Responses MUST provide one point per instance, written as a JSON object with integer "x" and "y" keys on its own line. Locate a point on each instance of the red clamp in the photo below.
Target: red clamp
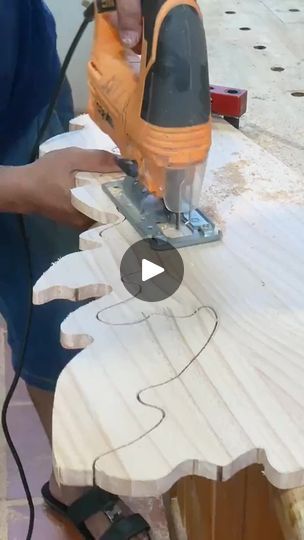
{"x": 231, "y": 103}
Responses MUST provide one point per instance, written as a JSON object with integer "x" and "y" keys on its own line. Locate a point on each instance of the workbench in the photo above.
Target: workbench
{"x": 221, "y": 362}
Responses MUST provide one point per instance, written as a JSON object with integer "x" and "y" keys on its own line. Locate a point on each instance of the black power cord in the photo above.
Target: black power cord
{"x": 88, "y": 17}
{"x": 14, "y": 383}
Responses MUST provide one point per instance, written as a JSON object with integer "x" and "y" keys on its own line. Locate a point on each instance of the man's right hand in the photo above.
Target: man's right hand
{"x": 44, "y": 187}
{"x": 53, "y": 176}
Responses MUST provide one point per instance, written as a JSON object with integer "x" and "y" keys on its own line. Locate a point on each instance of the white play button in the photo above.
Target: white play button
{"x": 149, "y": 270}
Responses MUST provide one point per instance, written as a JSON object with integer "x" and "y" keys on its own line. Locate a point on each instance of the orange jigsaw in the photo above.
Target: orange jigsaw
{"x": 156, "y": 107}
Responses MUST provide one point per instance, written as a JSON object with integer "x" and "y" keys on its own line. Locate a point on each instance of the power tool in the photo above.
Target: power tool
{"x": 156, "y": 108}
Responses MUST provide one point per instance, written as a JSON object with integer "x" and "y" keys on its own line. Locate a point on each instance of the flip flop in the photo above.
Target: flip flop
{"x": 93, "y": 501}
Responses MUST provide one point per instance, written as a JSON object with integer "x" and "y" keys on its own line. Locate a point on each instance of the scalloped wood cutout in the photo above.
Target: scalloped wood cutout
{"x": 208, "y": 381}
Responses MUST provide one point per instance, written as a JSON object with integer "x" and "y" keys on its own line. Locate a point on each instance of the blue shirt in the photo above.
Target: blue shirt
{"x": 29, "y": 65}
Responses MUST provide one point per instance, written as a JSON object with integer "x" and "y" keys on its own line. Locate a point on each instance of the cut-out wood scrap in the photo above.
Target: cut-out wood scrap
{"x": 209, "y": 380}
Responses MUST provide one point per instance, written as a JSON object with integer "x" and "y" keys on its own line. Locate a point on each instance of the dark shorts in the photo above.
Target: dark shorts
{"x": 44, "y": 358}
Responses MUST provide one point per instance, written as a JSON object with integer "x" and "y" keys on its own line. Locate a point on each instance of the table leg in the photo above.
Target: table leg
{"x": 238, "y": 509}
{"x": 289, "y": 505}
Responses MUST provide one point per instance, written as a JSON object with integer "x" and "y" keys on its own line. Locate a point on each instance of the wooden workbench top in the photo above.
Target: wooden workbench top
{"x": 208, "y": 381}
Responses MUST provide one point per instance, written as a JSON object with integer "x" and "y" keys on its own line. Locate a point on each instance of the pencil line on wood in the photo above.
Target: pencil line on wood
{"x": 163, "y": 383}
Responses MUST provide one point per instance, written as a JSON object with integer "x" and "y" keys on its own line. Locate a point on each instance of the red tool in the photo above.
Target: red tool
{"x": 231, "y": 103}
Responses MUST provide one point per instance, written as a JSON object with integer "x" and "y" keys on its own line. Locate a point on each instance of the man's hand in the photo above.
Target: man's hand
{"x": 44, "y": 186}
{"x": 53, "y": 176}
{"x": 129, "y": 21}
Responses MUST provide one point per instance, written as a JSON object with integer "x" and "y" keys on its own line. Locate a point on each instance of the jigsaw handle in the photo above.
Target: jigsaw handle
{"x": 176, "y": 91}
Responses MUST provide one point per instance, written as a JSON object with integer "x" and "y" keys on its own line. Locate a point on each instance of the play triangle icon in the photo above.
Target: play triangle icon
{"x": 149, "y": 270}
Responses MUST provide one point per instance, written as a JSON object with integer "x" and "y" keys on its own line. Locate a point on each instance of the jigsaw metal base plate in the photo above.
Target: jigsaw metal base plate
{"x": 150, "y": 218}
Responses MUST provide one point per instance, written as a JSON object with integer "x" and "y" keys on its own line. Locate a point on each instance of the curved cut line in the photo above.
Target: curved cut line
{"x": 145, "y": 317}
{"x": 125, "y": 301}
{"x": 99, "y": 318}
{"x": 111, "y": 225}
{"x": 186, "y": 367}
{"x": 163, "y": 383}
{"x": 109, "y": 323}
{"x": 97, "y": 241}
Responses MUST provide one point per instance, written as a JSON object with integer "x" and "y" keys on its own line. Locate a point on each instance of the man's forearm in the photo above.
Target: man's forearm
{"x": 12, "y": 189}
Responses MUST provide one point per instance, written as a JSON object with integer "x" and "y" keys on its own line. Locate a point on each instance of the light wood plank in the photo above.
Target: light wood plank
{"x": 239, "y": 509}
{"x": 244, "y": 392}
{"x": 260, "y": 520}
{"x": 288, "y": 11}
{"x": 274, "y": 118}
{"x": 289, "y": 506}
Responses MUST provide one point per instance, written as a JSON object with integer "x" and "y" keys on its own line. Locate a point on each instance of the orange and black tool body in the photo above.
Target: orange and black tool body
{"x": 156, "y": 107}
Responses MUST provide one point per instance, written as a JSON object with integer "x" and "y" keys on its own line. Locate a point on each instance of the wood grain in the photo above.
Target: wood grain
{"x": 239, "y": 509}
{"x": 287, "y": 12}
{"x": 260, "y": 519}
{"x": 241, "y": 387}
{"x": 289, "y": 506}
{"x": 274, "y": 118}
{"x": 275, "y": 121}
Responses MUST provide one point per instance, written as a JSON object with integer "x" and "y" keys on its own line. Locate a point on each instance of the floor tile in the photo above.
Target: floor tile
{"x": 3, "y": 521}
{"x": 47, "y": 525}
{"x": 20, "y": 395}
{"x": 33, "y": 448}
{"x": 3, "y": 339}
{"x": 2, "y": 439}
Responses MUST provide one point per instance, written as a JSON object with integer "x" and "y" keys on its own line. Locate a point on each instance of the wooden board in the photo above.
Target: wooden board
{"x": 274, "y": 118}
{"x": 289, "y": 506}
{"x": 239, "y": 509}
{"x": 288, "y": 11}
{"x": 209, "y": 381}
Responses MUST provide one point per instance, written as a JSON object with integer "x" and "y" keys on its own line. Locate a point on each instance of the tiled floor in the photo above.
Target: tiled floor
{"x": 32, "y": 444}
{"x": 35, "y": 454}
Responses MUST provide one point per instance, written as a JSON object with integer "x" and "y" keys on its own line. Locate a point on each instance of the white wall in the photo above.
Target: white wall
{"x": 68, "y": 15}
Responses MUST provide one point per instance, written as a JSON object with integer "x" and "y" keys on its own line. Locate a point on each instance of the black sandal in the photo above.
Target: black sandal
{"x": 98, "y": 500}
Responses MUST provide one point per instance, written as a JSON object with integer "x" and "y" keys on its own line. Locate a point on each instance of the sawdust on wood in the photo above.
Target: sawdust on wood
{"x": 235, "y": 179}
{"x": 231, "y": 181}
{"x": 211, "y": 212}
